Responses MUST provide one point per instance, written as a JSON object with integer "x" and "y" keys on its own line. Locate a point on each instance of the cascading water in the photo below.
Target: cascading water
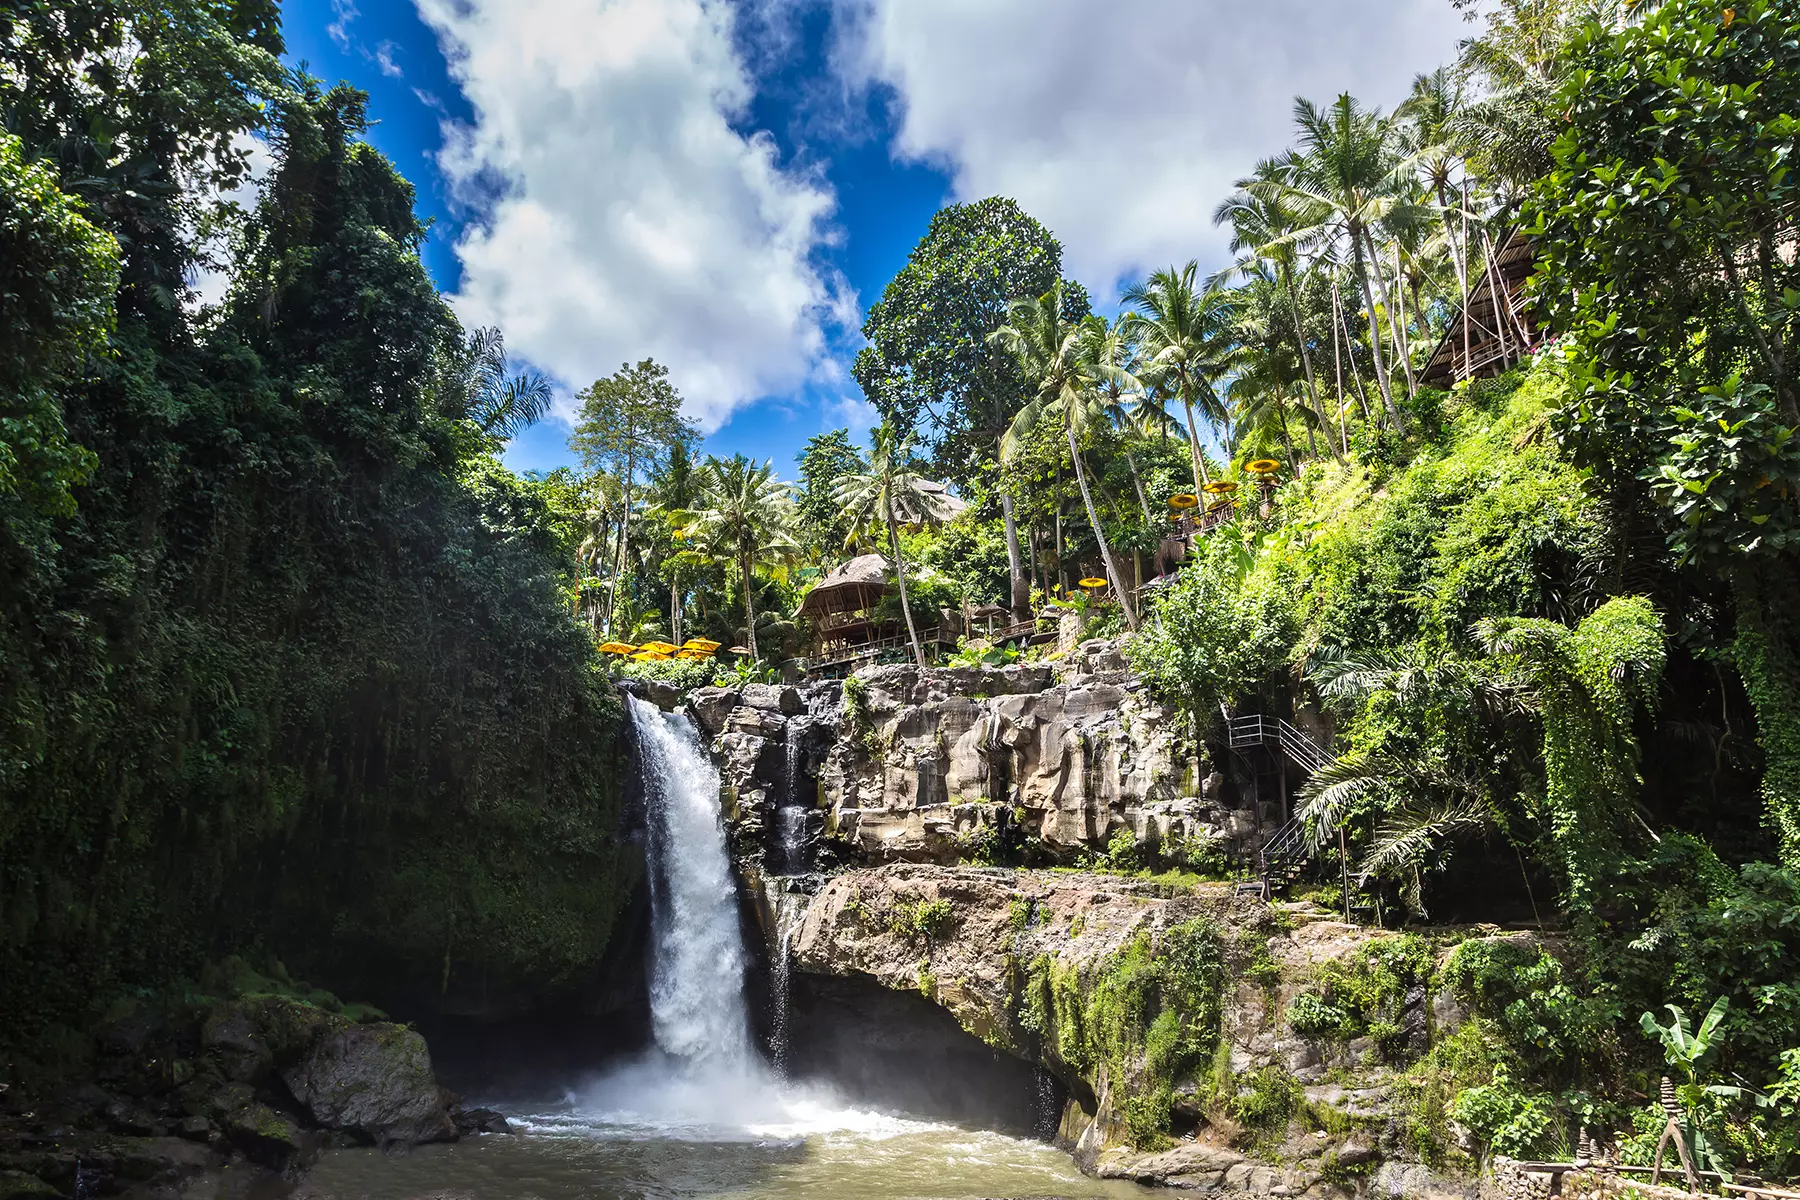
{"x": 697, "y": 974}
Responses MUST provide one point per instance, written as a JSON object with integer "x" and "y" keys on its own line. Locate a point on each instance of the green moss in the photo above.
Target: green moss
{"x": 928, "y": 920}
{"x": 1361, "y": 995}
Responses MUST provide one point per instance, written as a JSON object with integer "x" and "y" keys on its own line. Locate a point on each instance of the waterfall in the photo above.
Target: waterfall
{"x": 697, "y": 1002}
{"x": 780, "y": 1004}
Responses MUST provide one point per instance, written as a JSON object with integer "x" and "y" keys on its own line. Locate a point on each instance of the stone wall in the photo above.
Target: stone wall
{"x": 899, "y": 764}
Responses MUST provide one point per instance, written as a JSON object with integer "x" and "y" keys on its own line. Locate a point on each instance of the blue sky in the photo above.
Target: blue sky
{"x": 725, "y": 185}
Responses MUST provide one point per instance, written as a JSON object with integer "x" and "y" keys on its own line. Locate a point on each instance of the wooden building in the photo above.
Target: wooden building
{"x": 1495, "y": 329}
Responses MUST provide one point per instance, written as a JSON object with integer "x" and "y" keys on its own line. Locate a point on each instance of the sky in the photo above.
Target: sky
{"x": 727, "y": 185}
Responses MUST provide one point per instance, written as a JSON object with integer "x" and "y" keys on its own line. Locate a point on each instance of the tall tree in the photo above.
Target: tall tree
{"x": 1346, "y": 179}
{"x": 889, "y": 491}
{"x": 1065, "y": 398}
{"x": 745, "y": 517}
{"x": 1661, "y": 234}
{"x": 1184, "y": 331}
{"x": 628, "y": 422}
{"x": 825, "y": 461}
{"x": 1262, "y": 224}
{"x": 929, "y": 368}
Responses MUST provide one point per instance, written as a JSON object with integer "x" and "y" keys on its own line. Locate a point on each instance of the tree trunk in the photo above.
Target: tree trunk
{"x": 912, "y": 632}
{"x": 749, "y": 610}
{"x": 1015, "y": 564}
{"x": 1138, "y": 484}
{"x": 1112, "y": 571}
{"x": 1201, "y": 479}
{"x": 1312, "y": 385}
{"x": 612, "y": 603}
{"x": 1381, "y": 375}
{"x": 1395, "y": 313}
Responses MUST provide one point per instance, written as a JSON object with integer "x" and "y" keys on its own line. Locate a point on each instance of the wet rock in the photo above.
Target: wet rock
{"x": 471, "y": 1121}
{"x": 124, "y": 1117}
{"x": 17, "y": 1185}
{"x": 775, "y": 698}
{"x": 1196, "y": 1166}
{"x": 375, "y": 1081}
{"x": 196, "y": 1129}
{"x": 710, "y": 706}
{"x": 270, "y": 1138}
{"x": 231, "y": 1035}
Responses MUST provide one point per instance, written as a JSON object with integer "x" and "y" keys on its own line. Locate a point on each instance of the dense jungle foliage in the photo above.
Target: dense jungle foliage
{"x": 291, "y": 665}
{"x": 286, "y": 663}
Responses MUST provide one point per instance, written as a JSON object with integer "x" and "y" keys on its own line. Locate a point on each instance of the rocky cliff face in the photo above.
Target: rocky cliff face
{"x": 1164, "y": 1013}
{"x": 898, "y": 764}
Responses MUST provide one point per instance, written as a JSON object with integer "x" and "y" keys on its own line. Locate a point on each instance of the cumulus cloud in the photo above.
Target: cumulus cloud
{"x": 617, "y": 212}
{"x": 1121, "y": 123}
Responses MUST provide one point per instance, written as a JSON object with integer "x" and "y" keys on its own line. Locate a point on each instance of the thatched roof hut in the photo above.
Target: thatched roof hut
{"x": 856, "y": 585}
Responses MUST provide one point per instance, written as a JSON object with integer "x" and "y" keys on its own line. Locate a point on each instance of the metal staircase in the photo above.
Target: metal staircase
{"x": 1283, "y": 854}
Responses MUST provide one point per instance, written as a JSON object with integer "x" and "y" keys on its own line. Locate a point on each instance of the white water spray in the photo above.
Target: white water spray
{"x": 697, "y": 976}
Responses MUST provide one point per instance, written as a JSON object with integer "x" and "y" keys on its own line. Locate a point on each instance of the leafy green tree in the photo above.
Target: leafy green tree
{"x": 929, "y": 362}
{"x": 744, "y": 516}
{"x": 1048, "y": 350}
{"x": 882, "y": 496}
{"x": 627, "y": 423}
{"x": 1660, "y": 231}
{"x": 148, "y": 138}
{"x": 58, "y": 275}
{"x": 825, "y": 461}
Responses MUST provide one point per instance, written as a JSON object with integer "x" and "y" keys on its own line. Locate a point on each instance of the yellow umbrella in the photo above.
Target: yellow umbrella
{"x": 662, "y": 647}
{"x": 617, "y": 648}
{"x": 1091, "y": 583}
{"x": 1183, "y": 500}
{"x": 705, "y": 645}
{"x": 1220, "y": 487}
{"x": 1262, "y": 466}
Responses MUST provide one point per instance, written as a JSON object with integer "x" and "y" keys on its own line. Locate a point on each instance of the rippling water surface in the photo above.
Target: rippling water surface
{"x": 606, "y": 1144}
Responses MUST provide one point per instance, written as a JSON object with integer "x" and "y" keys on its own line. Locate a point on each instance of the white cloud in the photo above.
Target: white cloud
{"x": 384, "y": 59}
{"x": 1121, "y": 123}
{"x": 619, "y": 214}
{"x": 345, "y": 12}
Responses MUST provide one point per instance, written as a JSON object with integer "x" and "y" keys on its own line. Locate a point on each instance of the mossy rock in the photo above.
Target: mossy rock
{"x": 17, "y": 1185}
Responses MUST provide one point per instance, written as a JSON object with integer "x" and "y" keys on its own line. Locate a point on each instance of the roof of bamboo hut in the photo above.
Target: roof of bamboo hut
{"x": 856, "y": 585}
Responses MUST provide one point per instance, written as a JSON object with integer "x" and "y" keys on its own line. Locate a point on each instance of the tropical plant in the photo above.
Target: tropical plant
{"x": 882, "y": 497}
{"x": 1184, "y": 331}
{"x": 744, "y": 516}
{"x": 1047, "y": 348}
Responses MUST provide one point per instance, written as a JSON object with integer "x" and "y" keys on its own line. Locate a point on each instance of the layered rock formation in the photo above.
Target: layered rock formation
{"x": 1074, "y": 973}
{"x": 898, "y": 764}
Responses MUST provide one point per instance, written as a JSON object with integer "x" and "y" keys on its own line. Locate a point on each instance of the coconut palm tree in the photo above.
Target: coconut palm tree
{"x": 1262, "y": 223}
{"x": 1345, "y": 181}
{"x": 1067, "y": 399}
{"x": 880, "y": 498}
{"x": 1183, "y": 329}
{"x": 1109, "y": 357}
{"x": 468, "y": 381}
{"x": 744, "y": 516}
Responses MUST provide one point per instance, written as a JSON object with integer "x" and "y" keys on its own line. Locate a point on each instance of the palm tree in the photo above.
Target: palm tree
{"x": 1182, "y": 329}
{"x": 469, "y": 382}
{"x": 1048, "y": 352}
{"x": 744, "y": 516}
{"x": 1262, "y": 223}
{"x": 879, "y": 498}
{"x": 1345, "y": 181}
{"x": 1108, "y": 355}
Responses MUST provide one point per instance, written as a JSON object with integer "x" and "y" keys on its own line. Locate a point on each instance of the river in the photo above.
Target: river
{"x": 701, "y": 1114}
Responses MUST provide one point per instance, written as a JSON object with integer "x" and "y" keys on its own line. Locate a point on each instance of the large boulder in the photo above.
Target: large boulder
{"x": 375, "y": 1082}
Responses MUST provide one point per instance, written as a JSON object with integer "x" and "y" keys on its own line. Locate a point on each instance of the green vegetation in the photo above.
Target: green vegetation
{"x": 288, "y": 660}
